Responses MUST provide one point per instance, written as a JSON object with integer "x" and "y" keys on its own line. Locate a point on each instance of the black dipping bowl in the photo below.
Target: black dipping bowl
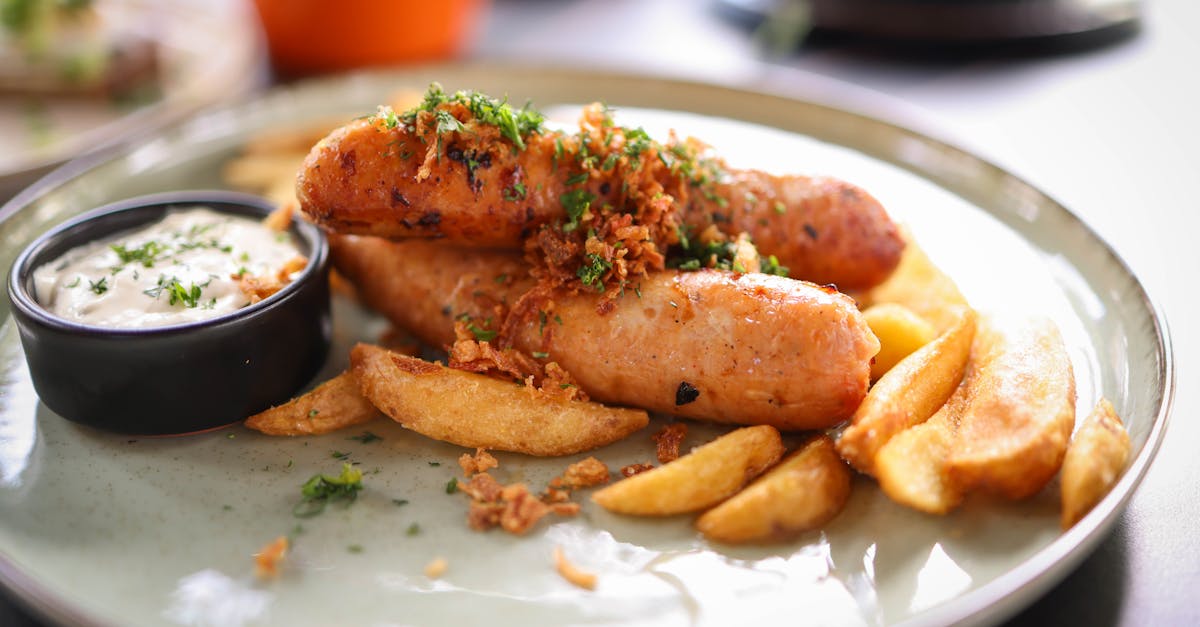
{"x": 180, "y": 378}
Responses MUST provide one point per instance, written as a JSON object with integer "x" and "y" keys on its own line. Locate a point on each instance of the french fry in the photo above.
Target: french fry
{"x": 900, "y": 331}
{"x": 1094, "y": 460}
{"x": 911, "y": 466}
{"x": 909, "y": 393}
{"x": 333, "y": 405}
{"x": 805, "y": 491}
{"x": 476, "y": 411}
{"x": 920, "y": 286}
{"x": 1013, "y": 434}
{"x": 260, "y": 171}
{"x": 698, "y": 480}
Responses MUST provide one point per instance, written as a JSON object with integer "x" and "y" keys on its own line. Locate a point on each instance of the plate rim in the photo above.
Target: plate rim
{"x": 989, "y": 603}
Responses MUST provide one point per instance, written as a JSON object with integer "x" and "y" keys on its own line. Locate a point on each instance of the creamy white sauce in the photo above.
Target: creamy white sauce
{"x": 177, "y": 270}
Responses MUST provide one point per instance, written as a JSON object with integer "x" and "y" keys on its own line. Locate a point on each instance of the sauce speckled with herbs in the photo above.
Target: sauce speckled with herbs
{"x": 192, "y": 265}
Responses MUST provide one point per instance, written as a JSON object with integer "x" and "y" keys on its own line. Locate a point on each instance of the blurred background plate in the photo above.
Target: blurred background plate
{"x": 103, "y": 529}
{"x": 204, "y": 52}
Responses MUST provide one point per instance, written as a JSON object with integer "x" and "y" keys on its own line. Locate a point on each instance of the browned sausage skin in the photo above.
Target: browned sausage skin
{"x": 362, "y": 179}
{"x": 422, "y": 286}
{"x": 745, "y": 349}
{"x": 825, "y": 230}
{"x": 476, "y": 188}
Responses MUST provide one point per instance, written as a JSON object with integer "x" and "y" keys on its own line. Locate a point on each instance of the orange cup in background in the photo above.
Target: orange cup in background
{"x": 316, "y": 36}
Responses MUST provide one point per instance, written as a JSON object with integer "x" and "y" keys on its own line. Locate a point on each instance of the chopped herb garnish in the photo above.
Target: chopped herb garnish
{"x": 322, "y": 489}
{"x": 179, "y": 295}
{"x": 366, "y": 438}
{"x": 447, "y": 123}
{"x": 576, "y": 203}
{"x": 355, "y": 548}
{"x": 500, "y": 279}
{"x": 176, "y": 292}
{"x": 75, "y": 283}
{"x": 146, "y": 254}
{"x": 388, "y": 116}
{"x": 339, "y": 455}
{"x": 413, "y": 530}
{"x": 313, "y": 412}
{"x": 780, "y": 208}
{"x": 610, "y": 161}
{"x": 452, "y": 486}
{"x": 100, "y": 286}
{"x": 399, "y": 502}
{"x": 637, "y": 141}
{"x": 592, "y": 271}
{"x": 435, "y": 464}
{"x": 540, "y": 354}
{"x": 770, "y": 265}
{"x": 513, "y": 124}
{"x": 481, "y": 335}
{"x": 514, "y": 192}
{"x": 582, "y": 177}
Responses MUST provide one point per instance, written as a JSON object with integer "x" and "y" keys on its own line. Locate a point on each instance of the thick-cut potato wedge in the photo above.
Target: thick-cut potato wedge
{"x": 1014, "y": 432}
{"x": 805, "y": 491}
{"x": 700, "y": 479}
{"x": 1094, "y": 460}
{"x": 333, "y": 405}
{"x": 909, "y": 393}
{"x": 477, "y": 411}
{"x": 900, "y": 331}
{"x": 920, "y": 286}
{"x": 911, "y": 466}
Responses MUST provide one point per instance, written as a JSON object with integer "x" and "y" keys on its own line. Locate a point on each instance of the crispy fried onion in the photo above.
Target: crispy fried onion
{"x": 541, "y": 377}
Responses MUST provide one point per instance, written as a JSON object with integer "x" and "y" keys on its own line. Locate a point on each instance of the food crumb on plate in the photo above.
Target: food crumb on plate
{"x": 268, "y": 560}
{"x": 481, "y": 461}
{"x": 571, "y": 573}
{"x": 436, "y": 568}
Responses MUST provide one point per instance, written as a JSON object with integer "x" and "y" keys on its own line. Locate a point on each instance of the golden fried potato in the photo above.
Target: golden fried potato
{"x": 1094, "y": 460}
{"x": 805, "y": 491}
{"x": 911, "y": 466}
{"x": 700, "y": 479}
{"x": 476, "y": 411}
{"x": 920, "y": 286}
{"x": 333, "y": 405}
{"x": 900, "y": 331}
{"x": 262, "y": 170}
{"x": 1013, "y": 434}
{"x": 909, "y": 393}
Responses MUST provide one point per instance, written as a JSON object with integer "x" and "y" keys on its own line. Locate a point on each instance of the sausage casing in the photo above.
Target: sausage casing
{"x": 744, "y": 349}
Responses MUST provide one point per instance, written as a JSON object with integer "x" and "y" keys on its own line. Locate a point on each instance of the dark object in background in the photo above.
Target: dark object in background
{"x": 945, "y": 23}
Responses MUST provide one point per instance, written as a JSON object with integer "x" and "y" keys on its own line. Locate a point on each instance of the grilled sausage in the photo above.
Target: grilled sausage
{"x": 744, "y": 349}
{"x": 363, "y": 179}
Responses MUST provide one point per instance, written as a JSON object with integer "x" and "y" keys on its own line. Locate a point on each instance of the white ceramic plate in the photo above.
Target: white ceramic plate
{"x": 105, "y": 529}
